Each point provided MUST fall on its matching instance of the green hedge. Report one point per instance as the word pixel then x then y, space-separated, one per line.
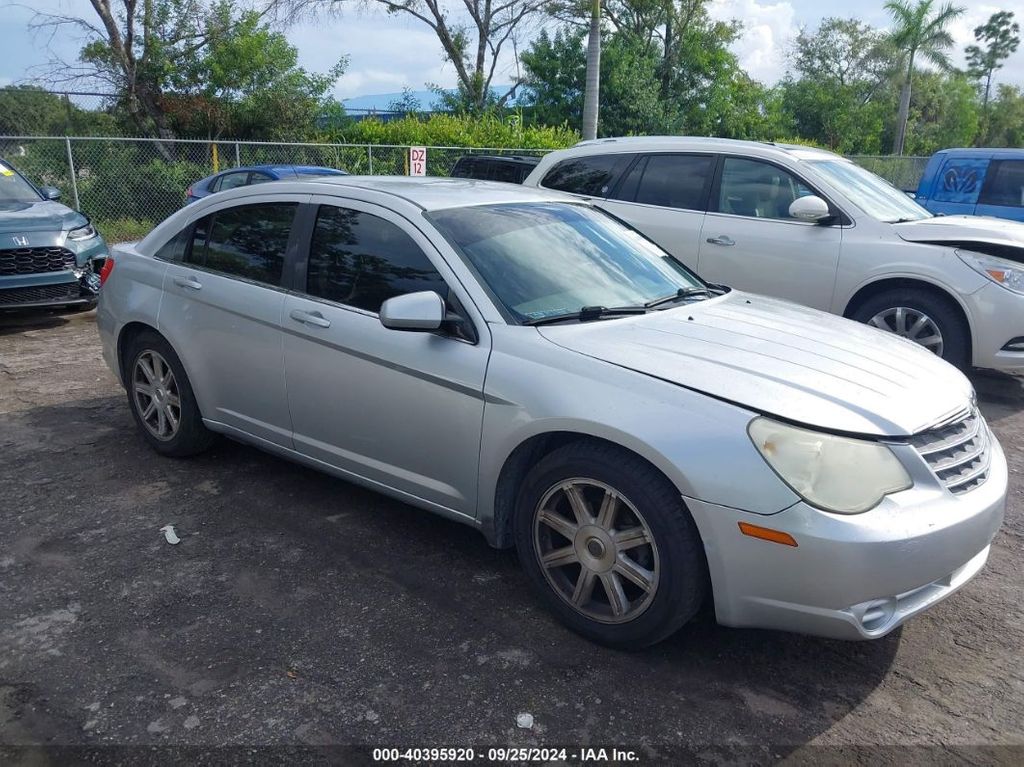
pixel 454 130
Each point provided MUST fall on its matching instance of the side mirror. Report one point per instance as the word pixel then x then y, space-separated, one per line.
pixel 810 208
pixel 423 312
pixel 50 192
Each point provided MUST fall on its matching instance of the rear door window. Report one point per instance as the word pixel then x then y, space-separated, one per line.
pixel 593 175
pixel 230 181
pixel 361 260
pixel 1005 184
pixel 670 181
pixel 247 241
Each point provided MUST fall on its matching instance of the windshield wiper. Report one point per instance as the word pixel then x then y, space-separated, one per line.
pixel 588 313
pixel 679 295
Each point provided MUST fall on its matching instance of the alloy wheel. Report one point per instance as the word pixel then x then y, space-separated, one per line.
pixel 596 550
pixel 156 395
pixel 910 323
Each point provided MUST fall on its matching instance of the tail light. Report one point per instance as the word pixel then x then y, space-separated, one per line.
pixel 106 269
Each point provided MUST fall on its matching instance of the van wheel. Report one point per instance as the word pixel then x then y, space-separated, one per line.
pixel 161 398
pixel 609 545
pixel 923 317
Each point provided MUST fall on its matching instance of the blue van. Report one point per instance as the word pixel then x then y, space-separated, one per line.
pixel 982 182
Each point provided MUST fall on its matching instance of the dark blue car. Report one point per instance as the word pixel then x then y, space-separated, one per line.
pixel 255 174
pixel 982 182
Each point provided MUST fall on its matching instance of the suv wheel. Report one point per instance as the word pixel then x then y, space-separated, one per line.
pixel 608 543
pixel 161 398
pixel 923 317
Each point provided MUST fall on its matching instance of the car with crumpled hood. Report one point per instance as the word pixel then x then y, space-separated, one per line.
pixel 50 255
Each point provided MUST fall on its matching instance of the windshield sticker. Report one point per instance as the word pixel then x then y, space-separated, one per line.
pixel 5 171
pixel 961 180
pixel 546 313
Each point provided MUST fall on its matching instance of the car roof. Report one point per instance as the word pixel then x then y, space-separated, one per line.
pixel 426 192
pixel 984 151
pixel 694 143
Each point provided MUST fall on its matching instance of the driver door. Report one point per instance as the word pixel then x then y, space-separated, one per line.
pixel 398 409
pixel 750 242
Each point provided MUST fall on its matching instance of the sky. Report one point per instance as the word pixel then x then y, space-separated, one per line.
pixel 388 53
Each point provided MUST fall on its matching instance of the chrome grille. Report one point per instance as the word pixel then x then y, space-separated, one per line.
pixel 35 260
pixel 958 453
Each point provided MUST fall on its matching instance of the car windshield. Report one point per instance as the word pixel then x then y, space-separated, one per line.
pixel 15 189
pixel 545 260
pixel 875 196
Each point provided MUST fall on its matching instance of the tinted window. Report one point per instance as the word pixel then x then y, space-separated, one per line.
pixel 1006 184
pixel 230 181
pixel 465 167
pixel 674 181
pixel 757 189
pixel 248 241
pixel 174 249
pixel 259 178
pixel 584 175
pixel 960 180
pixel 361 260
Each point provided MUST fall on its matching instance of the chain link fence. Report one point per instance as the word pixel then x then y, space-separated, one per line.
pixel 128 185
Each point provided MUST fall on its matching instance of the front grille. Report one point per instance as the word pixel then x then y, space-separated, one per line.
pixel 41 294
pixel 957 453
pixel 35 260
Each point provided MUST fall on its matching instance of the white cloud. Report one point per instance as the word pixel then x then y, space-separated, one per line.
pixel 768 29
pixel 963 33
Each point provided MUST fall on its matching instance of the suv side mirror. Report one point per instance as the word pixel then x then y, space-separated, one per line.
pixel 422 311
pixel 50 192
pixel 810 208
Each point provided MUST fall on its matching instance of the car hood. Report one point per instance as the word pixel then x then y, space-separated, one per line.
pixel 782 359
pixel 37 216
pixel 984 234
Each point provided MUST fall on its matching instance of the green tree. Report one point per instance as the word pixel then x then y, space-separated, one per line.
pixel 944 113
pixel 1005 126
pixel 406 104
pixel 555 70
pixel 996 40
pixel 918 32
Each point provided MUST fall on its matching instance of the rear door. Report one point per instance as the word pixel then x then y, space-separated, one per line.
pixel 1003 192
pixel 750 241
pixel 401 409
pixel 221 310
pixel 665 197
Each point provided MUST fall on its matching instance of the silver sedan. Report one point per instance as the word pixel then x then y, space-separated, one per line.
pixel 526 364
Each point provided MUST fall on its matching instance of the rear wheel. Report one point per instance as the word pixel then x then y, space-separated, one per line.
pixel 161 398
pixel 925 318
pixel 609 545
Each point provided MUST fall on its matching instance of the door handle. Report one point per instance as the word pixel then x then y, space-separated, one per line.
pixel 722 239
pixel 310 318
pixel 188 282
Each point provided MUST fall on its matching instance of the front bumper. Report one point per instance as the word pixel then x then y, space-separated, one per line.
pixel 853 576
pixel 998 316
pixel 76 283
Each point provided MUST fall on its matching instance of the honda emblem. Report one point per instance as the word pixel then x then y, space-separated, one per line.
pixel 20 241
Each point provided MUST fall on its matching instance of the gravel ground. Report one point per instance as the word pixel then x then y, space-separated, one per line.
pixel 301 610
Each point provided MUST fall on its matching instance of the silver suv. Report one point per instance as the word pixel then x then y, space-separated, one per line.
pixel 523 363
pixel 812 227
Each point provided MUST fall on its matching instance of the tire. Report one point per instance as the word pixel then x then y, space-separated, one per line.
pixel 674 559
pixel 189 436
pixel 879 311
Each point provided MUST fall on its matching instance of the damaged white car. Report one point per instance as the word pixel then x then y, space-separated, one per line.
pixel 813 227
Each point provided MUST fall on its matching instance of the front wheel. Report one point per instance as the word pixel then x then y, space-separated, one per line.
pixel 609 545
pixel 927 319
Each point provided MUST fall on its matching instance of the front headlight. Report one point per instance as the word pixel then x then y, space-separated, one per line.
pixel 86 232
pixel 1005 273
pixel 837 474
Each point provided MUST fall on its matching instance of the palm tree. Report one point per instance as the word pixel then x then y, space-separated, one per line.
pixel 917 31
pixel 590 94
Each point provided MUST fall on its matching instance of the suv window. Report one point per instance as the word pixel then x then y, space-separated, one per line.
pixel 230 181
pixel 592 175
pixel 669 180
pixel 362 260
pixel 1005 184
pixel 960 180
pixel 245 241
pixel 758 189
